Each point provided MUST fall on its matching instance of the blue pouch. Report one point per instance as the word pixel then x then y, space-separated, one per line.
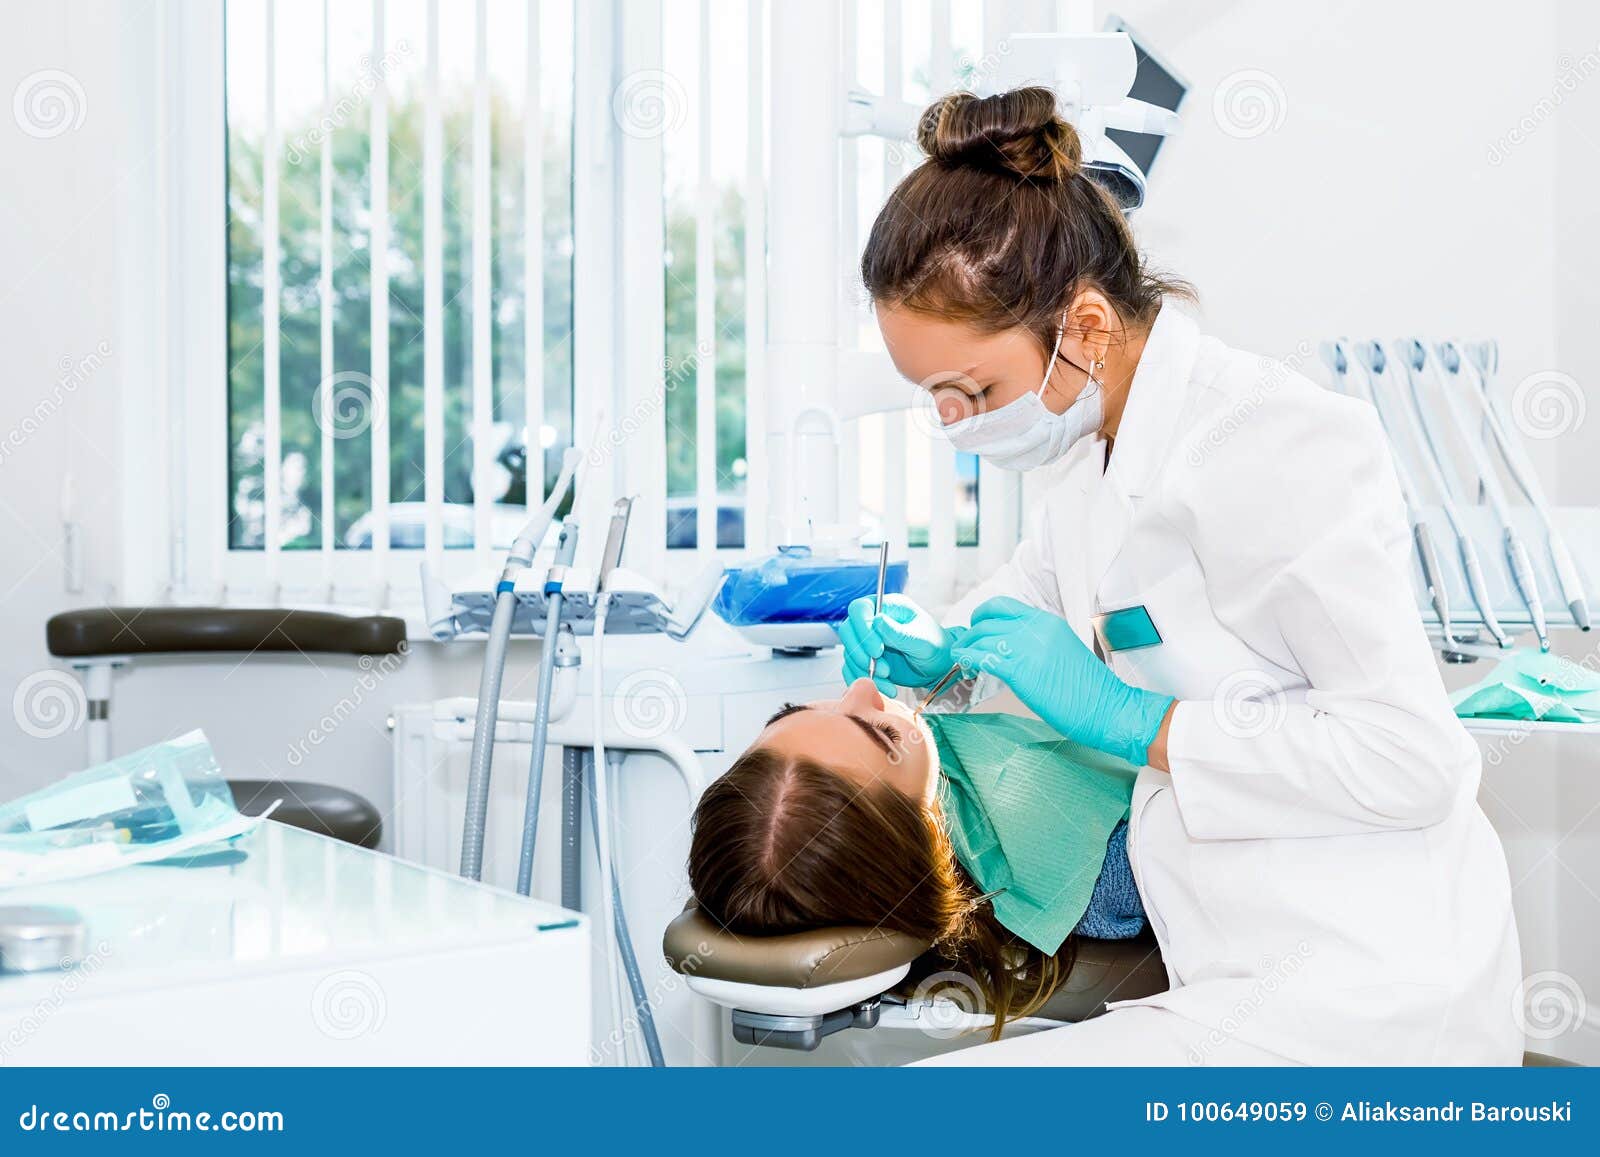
pixel 795 586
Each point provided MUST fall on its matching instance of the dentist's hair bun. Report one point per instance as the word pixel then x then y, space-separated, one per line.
pixel 1016 132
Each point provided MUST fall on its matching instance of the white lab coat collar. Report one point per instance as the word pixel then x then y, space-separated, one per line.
pixel 1156 400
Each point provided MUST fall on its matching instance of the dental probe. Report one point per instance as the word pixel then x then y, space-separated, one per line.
pixel 877 603
pixel 937 688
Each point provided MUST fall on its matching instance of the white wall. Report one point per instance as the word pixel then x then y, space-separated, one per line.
pixel 1372 207
pixel 1573 865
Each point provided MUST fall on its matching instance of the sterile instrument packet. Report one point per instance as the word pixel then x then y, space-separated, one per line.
pixel 149 805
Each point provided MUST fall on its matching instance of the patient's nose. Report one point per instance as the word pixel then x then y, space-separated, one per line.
pixel 862 695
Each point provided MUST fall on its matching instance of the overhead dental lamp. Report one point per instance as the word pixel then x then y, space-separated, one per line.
pixel 1092 74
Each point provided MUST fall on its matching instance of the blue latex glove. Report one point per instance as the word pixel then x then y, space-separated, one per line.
pixel 912 649
pixel 1040 657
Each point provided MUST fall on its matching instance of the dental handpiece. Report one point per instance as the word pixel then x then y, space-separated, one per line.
pixel 1480 359
pixel 1527 586
pixel 1344 366
pixel 1439 359
pixel 616 534
pixel 1432 575
pixel 1464 544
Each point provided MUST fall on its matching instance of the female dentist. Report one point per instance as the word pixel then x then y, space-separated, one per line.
pixel 1215 588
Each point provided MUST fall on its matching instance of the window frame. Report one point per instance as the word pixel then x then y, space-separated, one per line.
pixel 176 514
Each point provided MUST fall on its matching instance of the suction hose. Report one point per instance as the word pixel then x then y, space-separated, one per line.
pixel 494 669
pixel 600 800
pixel 566 546
pixel 494 665
pixel 630 962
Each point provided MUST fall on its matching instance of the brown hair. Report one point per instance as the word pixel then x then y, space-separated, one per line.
pixel 783 845
pixel 1000 227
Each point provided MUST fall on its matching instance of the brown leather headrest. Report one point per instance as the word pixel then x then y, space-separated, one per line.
pixel 177 630
pixel 696 946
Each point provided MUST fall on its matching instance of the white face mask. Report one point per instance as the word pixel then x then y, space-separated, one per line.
pixel 1024 434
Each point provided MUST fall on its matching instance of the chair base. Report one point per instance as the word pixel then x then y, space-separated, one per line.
pixel 801 1033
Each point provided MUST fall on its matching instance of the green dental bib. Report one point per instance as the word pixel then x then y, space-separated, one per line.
pixel 1029 814
pixel 1528 685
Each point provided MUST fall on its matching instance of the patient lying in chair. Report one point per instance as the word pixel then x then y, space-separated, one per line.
pixel 987 835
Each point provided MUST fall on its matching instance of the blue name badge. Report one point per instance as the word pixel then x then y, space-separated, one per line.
pixel 1125 630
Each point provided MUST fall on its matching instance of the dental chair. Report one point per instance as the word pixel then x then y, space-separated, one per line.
pixel 792 990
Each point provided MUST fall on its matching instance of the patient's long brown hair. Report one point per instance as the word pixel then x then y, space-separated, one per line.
pixel 784 845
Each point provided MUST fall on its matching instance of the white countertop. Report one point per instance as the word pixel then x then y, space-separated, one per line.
pixel 241 946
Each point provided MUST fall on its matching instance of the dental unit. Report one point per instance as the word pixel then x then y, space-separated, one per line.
pixel 568 602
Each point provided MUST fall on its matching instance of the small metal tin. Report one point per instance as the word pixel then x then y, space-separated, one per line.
pixel 40 937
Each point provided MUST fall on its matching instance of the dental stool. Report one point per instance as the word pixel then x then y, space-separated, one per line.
pixel 98 640
pixel 312 807
pixel 792 990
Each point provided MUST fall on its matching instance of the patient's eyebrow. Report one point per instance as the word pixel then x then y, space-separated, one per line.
pixel 873 733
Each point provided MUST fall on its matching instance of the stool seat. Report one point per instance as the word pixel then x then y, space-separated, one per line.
pixel 98 631
pixel 1107 970
pixel 312 807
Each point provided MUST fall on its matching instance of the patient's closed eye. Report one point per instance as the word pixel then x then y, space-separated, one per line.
pixel 885 735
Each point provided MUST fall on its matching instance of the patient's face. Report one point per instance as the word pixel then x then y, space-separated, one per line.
pixel 862 736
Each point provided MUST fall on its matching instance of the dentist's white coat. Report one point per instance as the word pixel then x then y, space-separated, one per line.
pixel 1316 867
